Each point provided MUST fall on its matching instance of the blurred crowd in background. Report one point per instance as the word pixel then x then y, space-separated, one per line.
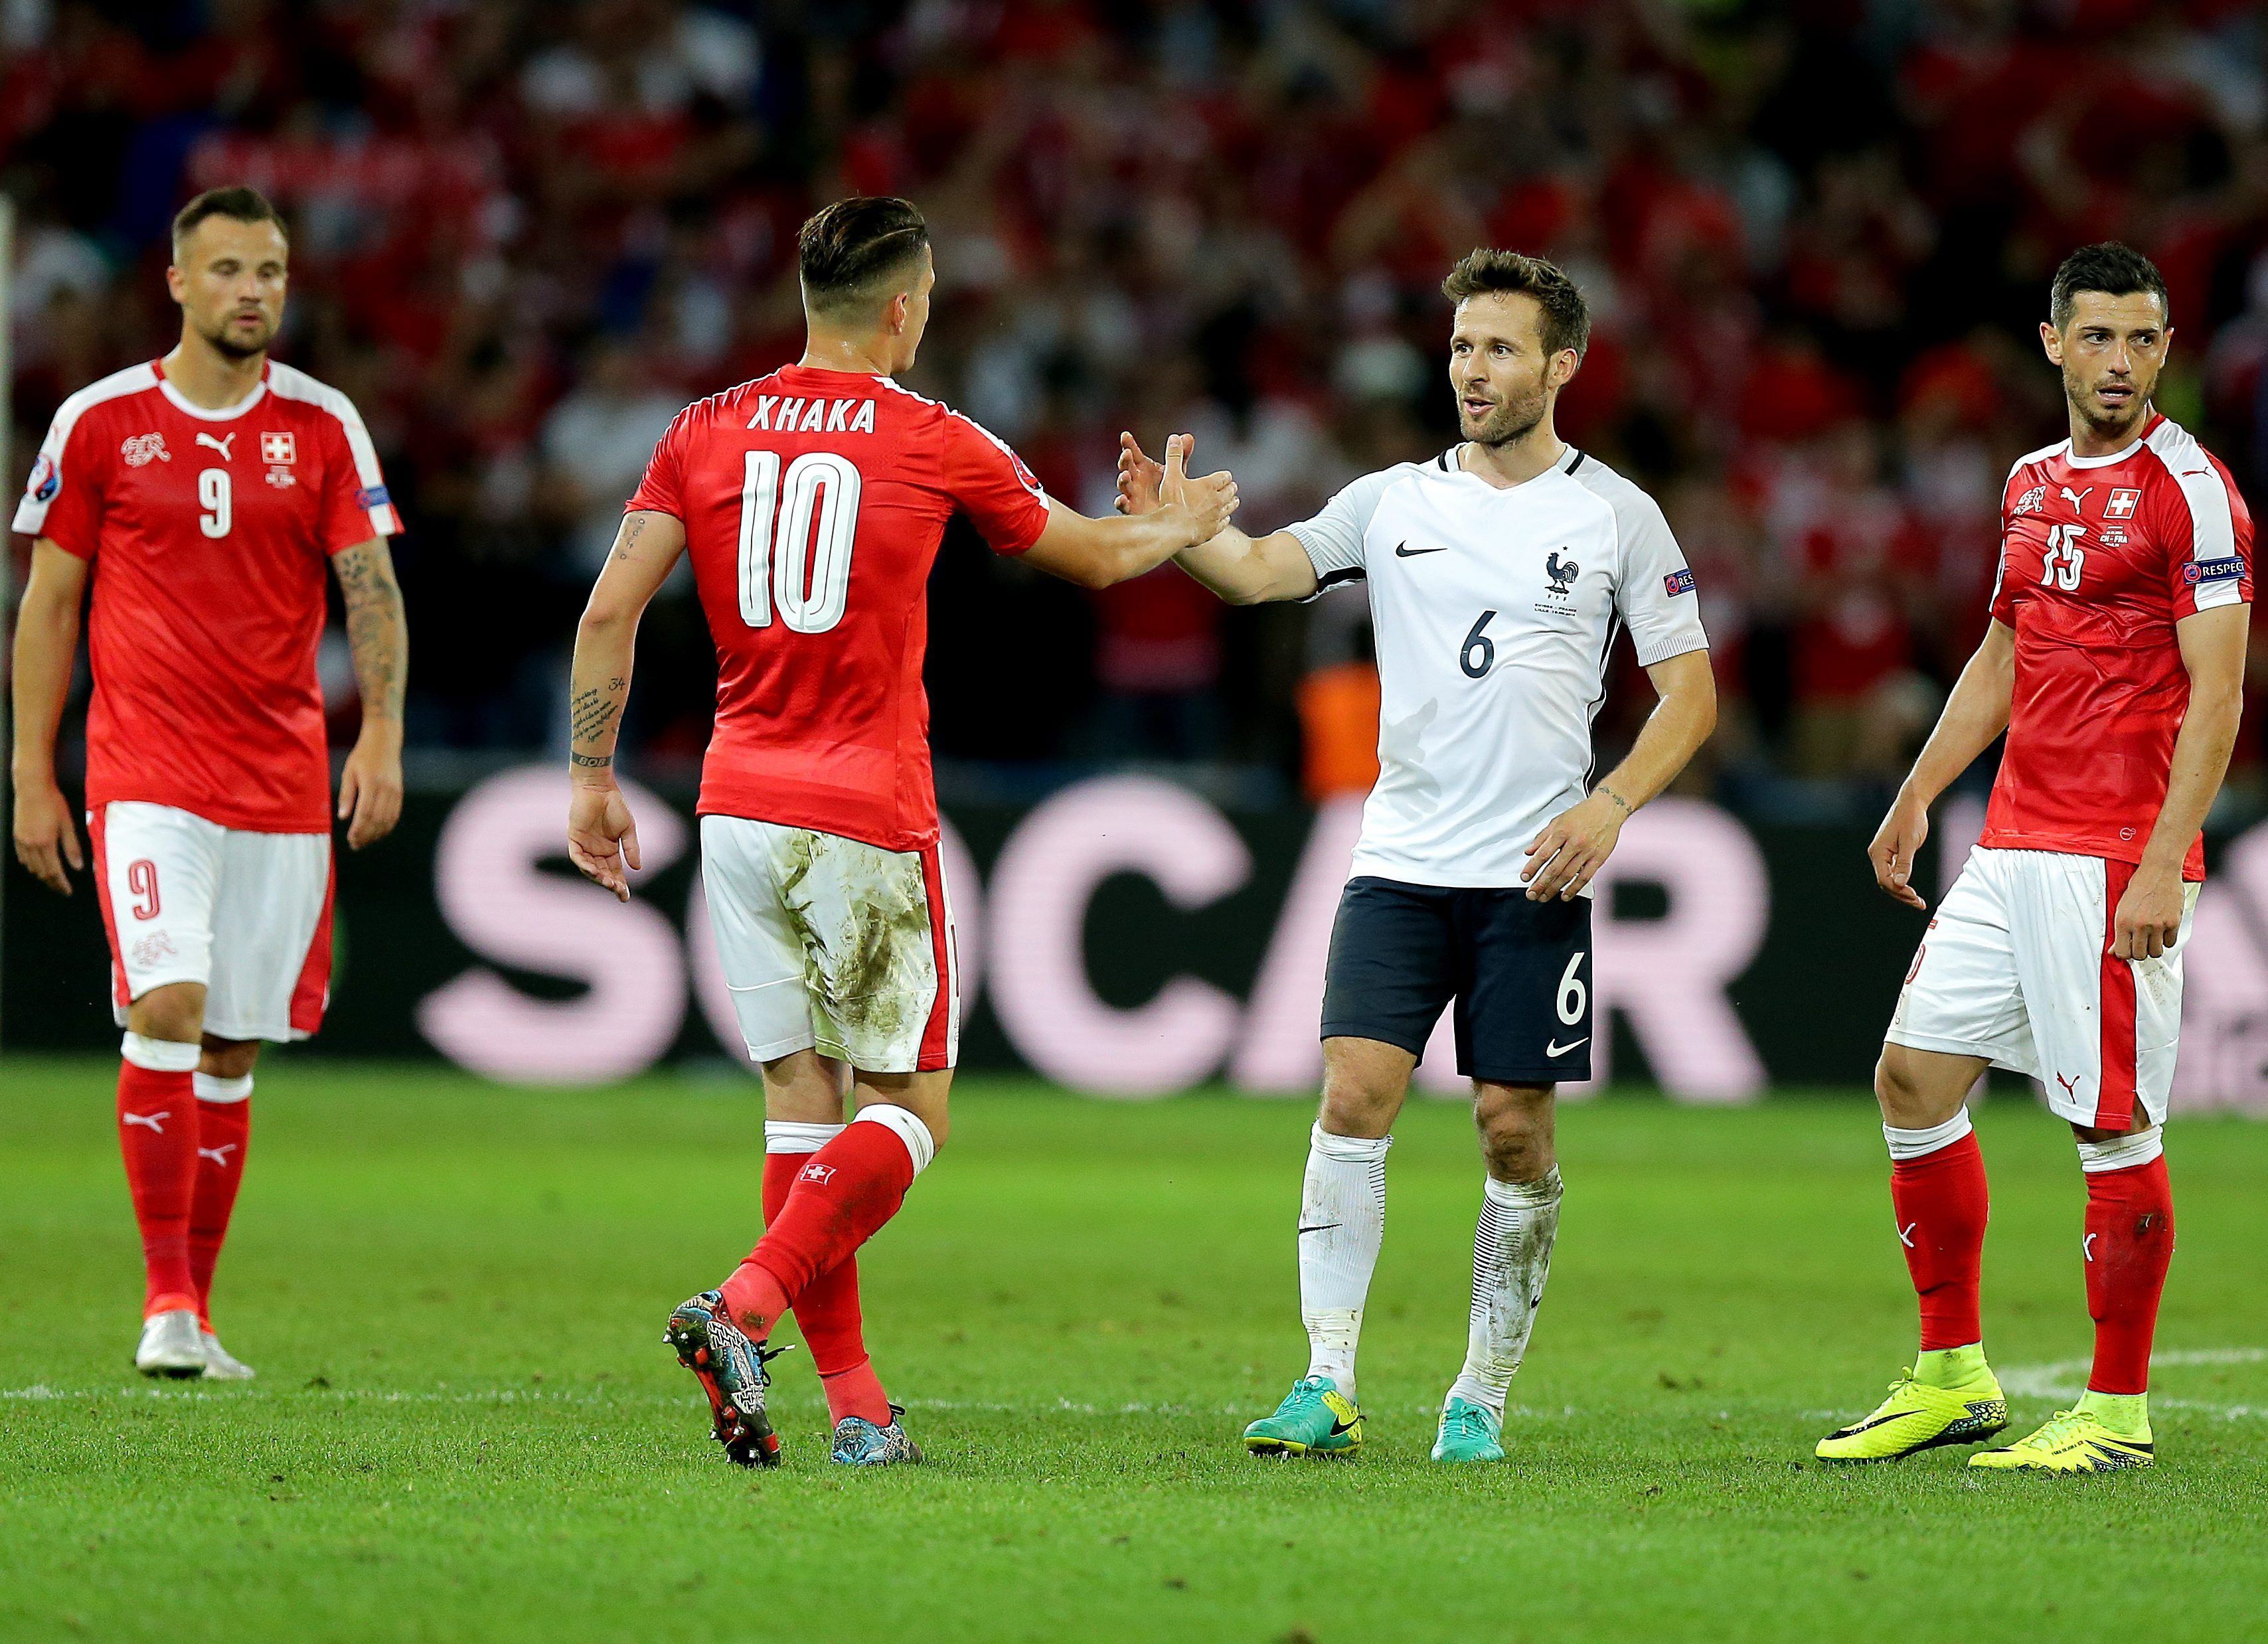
pixel 1816 239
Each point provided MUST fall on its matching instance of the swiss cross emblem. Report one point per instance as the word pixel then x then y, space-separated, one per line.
pixel 278 448
pixel 2122 504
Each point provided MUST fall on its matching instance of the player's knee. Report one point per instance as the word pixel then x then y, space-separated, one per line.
pixel 1515 1126
pixel 175 1011
pixel 1356 1107
pixel 228 1058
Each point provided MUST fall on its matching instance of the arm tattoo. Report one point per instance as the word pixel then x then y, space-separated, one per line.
pixel 633 528
pixel 592 712
pixel 591 760
pixel 377 630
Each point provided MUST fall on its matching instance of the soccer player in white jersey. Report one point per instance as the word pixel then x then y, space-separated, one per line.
pixel 1499 573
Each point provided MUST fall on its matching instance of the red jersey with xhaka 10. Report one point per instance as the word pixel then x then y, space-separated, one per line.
pixel 813 502
pixel 2100 557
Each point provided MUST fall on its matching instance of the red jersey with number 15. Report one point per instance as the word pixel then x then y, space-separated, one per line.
pixel 2101 557
pixel 813 502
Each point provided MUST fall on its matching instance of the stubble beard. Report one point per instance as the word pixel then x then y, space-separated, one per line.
pixel 231 348
pixel 2079 396
pixel 1513 421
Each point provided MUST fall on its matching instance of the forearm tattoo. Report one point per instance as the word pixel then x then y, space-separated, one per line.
pixel 377 630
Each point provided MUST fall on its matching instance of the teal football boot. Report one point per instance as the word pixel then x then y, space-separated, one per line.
pixel 1315 1418
pixel 1469 1432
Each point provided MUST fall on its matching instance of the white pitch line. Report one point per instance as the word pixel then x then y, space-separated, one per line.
pixel 2067 1379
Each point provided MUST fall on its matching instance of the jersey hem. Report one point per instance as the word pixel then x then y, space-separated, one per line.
pixel 2008 839
pixel 219 815
pixel 898 843
pixel 1402 874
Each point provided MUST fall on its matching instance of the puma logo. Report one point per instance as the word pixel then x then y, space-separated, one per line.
pixel 2075 497
pixel 219 1155
pixel 1905 1234
pixel 150 1119
pixel 2070 1086
pixel 2087 1245
pixel 220 444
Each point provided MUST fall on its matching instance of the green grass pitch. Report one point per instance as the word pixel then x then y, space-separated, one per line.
pixel 468 1427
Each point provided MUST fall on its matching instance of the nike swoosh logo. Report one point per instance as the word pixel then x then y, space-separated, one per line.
pixel 1325 1226
pixel 1557 1048
pixel 1877 1422
pixel 1402 550
pixel 1338 1427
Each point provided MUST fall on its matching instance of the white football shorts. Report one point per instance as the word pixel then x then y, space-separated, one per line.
pixel 2016 967
pixel 834 945
pixel 246 914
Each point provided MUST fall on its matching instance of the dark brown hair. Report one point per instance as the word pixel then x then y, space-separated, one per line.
pixel 236 202
pixel 2115 270
pixel 1567 318
pixel 851 254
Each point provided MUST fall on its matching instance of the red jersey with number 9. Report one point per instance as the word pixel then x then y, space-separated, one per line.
pixel 2101 557
pixel 210 534
pixel 813 503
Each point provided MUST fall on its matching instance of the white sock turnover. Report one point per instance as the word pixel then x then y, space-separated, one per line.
pixel 1512 1258
pixel 1342 1224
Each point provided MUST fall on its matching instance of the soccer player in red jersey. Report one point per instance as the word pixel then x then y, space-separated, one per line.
pixel 205 493
pixel 2115 662
pixel 812 502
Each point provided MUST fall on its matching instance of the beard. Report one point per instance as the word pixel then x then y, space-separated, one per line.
pixel 1513 419
pixel 233 345
pixel 2081 398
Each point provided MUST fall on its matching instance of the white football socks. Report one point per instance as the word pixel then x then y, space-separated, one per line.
pixel 1512 1258
pixel 1342 1224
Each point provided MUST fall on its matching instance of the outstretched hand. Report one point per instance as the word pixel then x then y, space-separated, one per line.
pixel 1208 499
pixel 1140 477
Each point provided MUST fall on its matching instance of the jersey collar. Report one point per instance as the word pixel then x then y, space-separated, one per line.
pixel 226 414
pixel 2140 439
pixel 1570 459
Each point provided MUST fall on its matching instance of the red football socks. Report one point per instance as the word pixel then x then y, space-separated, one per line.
pixel 158 1133
pixel 827 1312
pixel 1942 1205
pixel 839 1196
pixel 2129 1244
pixel 224 1131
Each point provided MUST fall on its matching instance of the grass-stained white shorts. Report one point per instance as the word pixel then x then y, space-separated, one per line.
pixel 831 943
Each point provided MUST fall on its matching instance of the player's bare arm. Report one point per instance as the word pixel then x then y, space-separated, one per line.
pixel 1575 845
pixel 378 634
pixel 1975 714
pixel 47 640
pixel 601 834
pixel 2148 920
pixel 1240 569
pixel 1096 553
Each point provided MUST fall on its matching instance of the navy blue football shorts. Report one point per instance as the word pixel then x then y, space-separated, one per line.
pixel 1519 973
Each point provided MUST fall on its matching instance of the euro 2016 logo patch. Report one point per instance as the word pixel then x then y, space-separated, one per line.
pixel 46 480
pixel 1678 582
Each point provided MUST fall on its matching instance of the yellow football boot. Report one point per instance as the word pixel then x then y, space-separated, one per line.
pixel 1918 1417
pixel 2073 1442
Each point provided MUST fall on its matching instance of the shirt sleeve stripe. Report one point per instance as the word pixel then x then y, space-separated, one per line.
pixel 291 383
pixel 32 512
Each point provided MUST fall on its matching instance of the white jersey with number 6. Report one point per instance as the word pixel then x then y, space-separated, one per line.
pixel 1495 611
